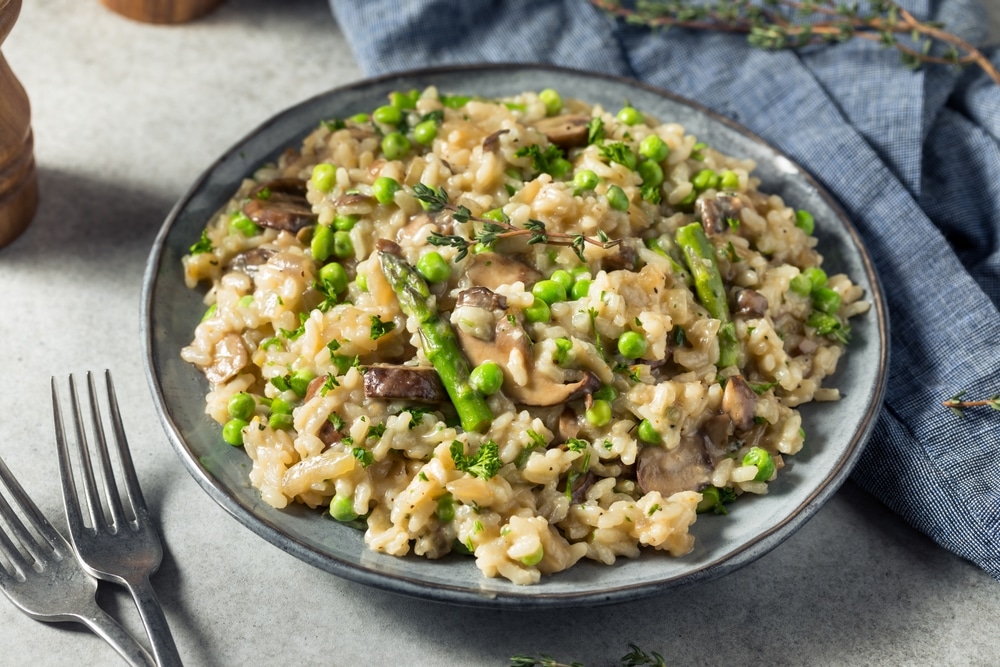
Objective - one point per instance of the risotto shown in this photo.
(530, 330)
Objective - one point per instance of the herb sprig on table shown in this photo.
(958, 405)
(634, 658)
(792, 24)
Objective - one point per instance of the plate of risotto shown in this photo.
(513, 336)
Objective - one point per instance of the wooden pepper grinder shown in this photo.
(162, 11)
(18, 178)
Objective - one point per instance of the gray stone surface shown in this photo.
(125, 116)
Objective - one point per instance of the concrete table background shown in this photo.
(125, 117)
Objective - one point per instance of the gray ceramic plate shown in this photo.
(837, 431)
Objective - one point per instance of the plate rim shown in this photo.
(529, 596)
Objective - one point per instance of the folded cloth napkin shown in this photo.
(913, 157)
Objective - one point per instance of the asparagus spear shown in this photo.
(439, 341)
(699, 256)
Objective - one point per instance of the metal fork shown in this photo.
(115, 539)
(43, 578)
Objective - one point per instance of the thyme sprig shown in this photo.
(792, 24)
(958, 406)
(634, 658)
(491, 231)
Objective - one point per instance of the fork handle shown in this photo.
(151, 612)
(110, 631)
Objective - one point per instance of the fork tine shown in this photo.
(131, 480)
(34, 517)
(94, 507)
(111, 493)
(71, 498)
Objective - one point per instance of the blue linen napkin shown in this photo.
(914, 158)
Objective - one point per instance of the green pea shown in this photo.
(538, 311)
(280, 421)
(445, 511)
(241, 406)
(651, 172)
(241, 223)
(584, 180)
(705, 179)
(360, 118)
(455, 101)
(607, 392)
(344, 223)
(729, 180)
(816, 276)
(599, 413)
(560, 167)
(648, 433)
(433, 267)
(402, 100)
(387, 115)
(762, 459)
(549, 291)
(630, 116)
(342, 508)
(361, 280)
(232, 432)
(384, 189)
(334, 275)
(343, 246)
(689, 199)
(299, 381)
(425, 132)
(617, 199)
(534, 558)
(321, 244)
(801, 285)
(324, 175)
(632, 345)
(654, 148)
(805, 221)
(581, 288)
(552, 100)
(395, 146)
(826, 300)
(824, 323)
(711, 500)
(280, 406)
(486, 378)
(563, 277)
(495, 214)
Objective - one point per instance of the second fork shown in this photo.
(112, 531)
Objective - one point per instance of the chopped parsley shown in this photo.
(484, 464)
(541, 160)
(380, 328)
(203, 245)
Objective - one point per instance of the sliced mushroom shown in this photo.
(510, 345)
(624, 257)
(717, 431)
(492, 142)
(329, 434)
(751, 303)
(714, 212)
(686, 467)
(739, 402)
(492, 270)
(413, 383)
(249, 261)
(229, 357)
(580, 487)
(567, 130)
(481, 297)
(568, 425)
(280, 204)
